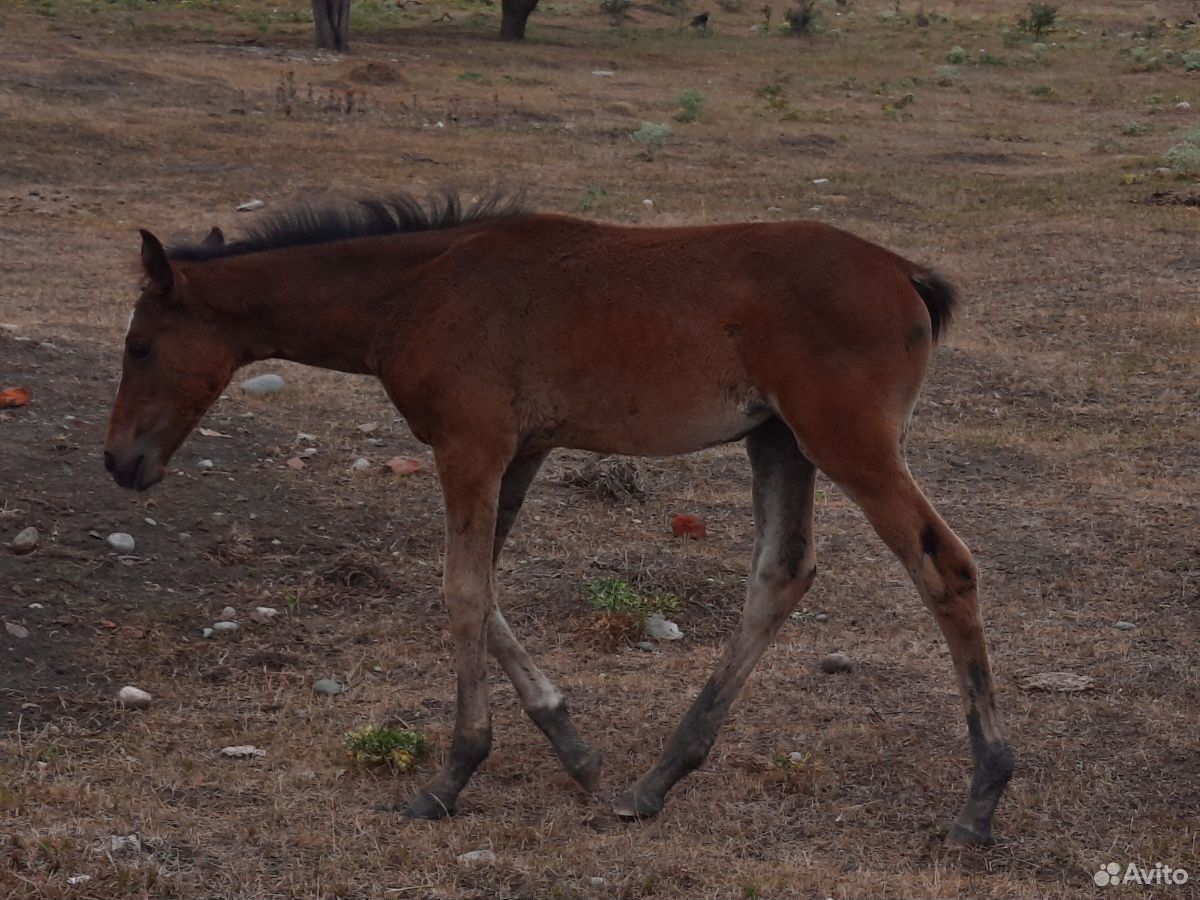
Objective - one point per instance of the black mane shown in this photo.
(313, 223)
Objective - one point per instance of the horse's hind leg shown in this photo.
(874, 474)
(540, 699)
(781, 571)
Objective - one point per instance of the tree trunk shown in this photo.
(515, 13)
(332, 21)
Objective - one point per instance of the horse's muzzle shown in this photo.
(135, 472)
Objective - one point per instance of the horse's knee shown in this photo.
(947, 568)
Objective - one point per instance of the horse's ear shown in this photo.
(215, 239)
(155, 263)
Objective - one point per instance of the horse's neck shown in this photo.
(324, 305)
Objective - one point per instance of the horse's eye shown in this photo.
(139, 350)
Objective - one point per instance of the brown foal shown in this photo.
(500, 335)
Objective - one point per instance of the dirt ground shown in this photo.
(1059, 434)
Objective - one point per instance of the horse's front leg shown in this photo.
(470, 477)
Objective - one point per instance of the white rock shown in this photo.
(205, 464)
(1183, 104)
(1124, 626)
(206, 632)
(362, 464)
(796, 757)
(229, 613)
(251, 205)
(648, 203)
(20, 632)
(662, 629)
(477, 858)
(26, 540)
(820, 181)
(329, 686)
(305, 436)
(242, 751)
(35, 606)
(133, 698)
(368, 427)
(308, 451)
(263, 614)
(224, 627)
(261, 385)
(150, 521)
(121, 542)
(604, 73)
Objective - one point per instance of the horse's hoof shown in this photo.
(962, 836)
(426, 806)
(632, 805)
(587, 772)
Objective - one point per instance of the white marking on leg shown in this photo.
(535, 690)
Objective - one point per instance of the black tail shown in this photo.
(939, 296)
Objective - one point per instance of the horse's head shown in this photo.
(178, 359)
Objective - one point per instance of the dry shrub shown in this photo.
(608, 477)
(613, 630)
(354, 570)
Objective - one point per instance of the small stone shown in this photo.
(368, 427)
(820, 181)
(295, 463)
(597, 881)
(1124, 626)
(224, 627)
(306, 437)
(1164, 172)
(648, 203)
(405, 465)
(477, 858)
(35, 606)
(121, 542)
(662, 629)
(26, 541)
(308, 452)
(251, 205)
(603, 73)
(330, 686)
(688, 526)
(775, 210)
(645, 646)
(242, 751)
(362, 464)
(206, 632)
(20, 632)
(150, 521)
(261, 385)
(229, 613)
(263, 614)
(131, 697)
(796, 758)
(78, 879)
(205, 464)
(835, 663)
(1183, 104)
(821, 617)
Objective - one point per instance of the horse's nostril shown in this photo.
(110, 461)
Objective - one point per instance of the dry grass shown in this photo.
(1058, 433)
